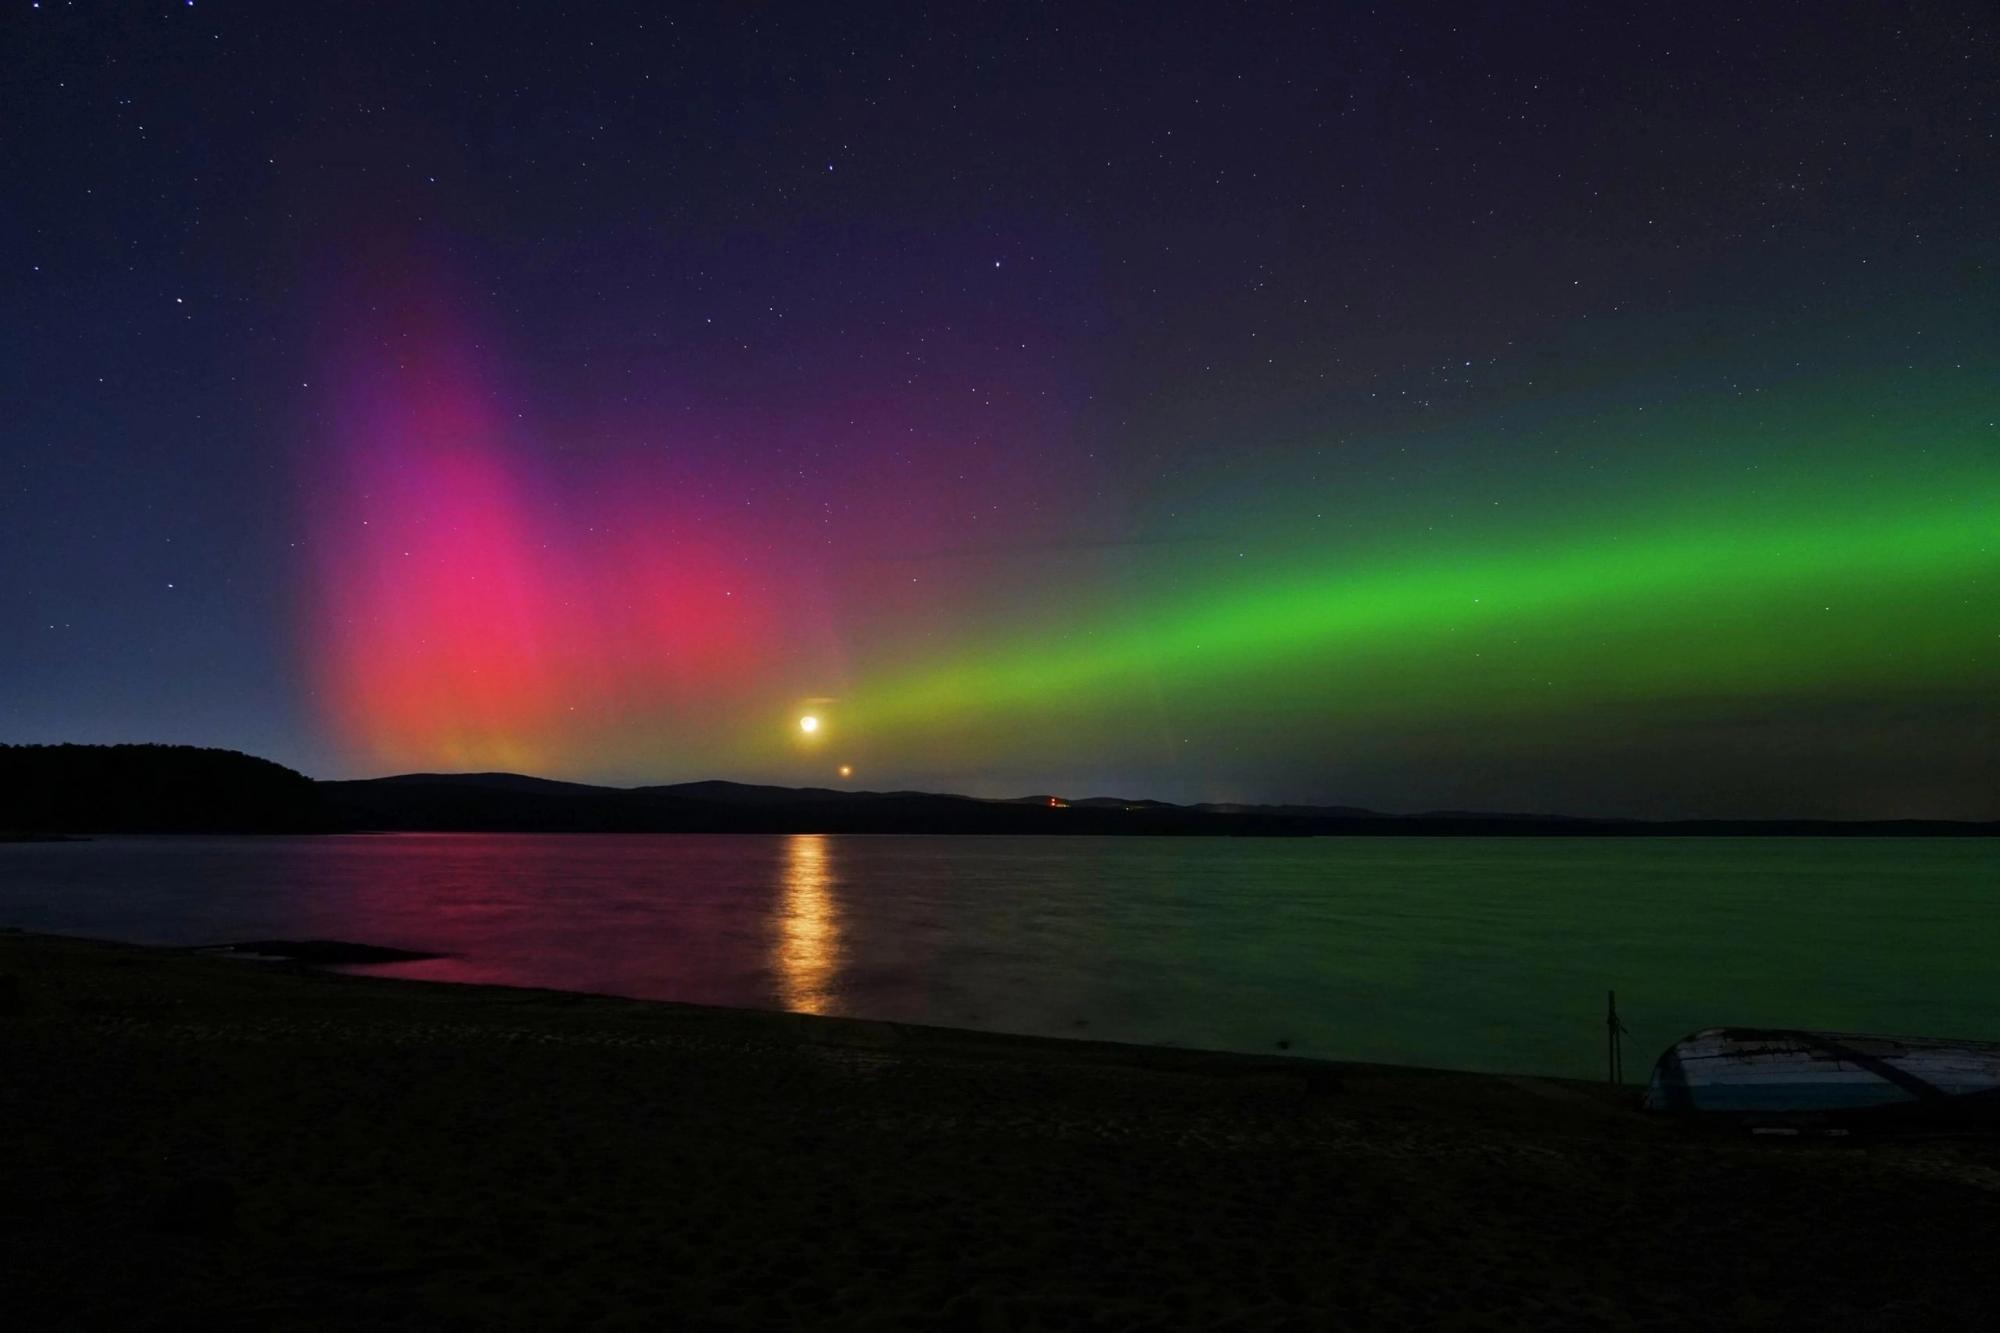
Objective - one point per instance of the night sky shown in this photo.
(1588, 408)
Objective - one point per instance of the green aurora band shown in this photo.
(1841, 583)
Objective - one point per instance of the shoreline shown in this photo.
(278, 1146)
(794, 1026)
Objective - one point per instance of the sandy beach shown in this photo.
(210, 1142)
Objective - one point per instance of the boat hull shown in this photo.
(1762, 1072)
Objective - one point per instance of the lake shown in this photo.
(1472, 953)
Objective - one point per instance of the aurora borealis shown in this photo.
(1435, 411)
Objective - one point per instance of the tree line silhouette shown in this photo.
(152, 789)
(84, 789)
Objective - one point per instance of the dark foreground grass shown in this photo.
(190, 1142)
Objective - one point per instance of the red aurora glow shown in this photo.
(477, 607)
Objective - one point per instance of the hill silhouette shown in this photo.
(152, 789)
(80, 789)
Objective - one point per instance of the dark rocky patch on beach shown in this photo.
(326, 953)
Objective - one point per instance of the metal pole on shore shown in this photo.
(1614, 1053)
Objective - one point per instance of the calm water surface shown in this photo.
(1472, 953)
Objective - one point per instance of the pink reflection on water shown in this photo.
(716, 920)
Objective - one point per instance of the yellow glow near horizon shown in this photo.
(847, 770)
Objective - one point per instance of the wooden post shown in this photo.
(1614, 1053)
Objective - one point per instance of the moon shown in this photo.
(808, 724)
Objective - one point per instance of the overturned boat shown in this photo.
(1835, 1078)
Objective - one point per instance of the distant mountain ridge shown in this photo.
(47, 789)
(502, 781)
